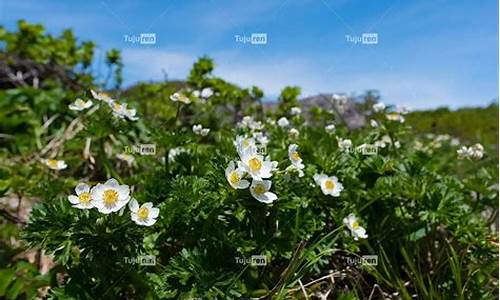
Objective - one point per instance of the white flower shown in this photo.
(243, 143)
(442, 137)
(283, 122)
(329, 185)
(55, 164)
(402, 110)
(378, 107)
(172, 153)
(129, 159)
(255, 165)
(386, 140)
(294, 156)
(463, 152)
(330, 128)
(235, 177)
(341, 99)
(455, 142)
(130, 113)
(395, 117)
(180, 97)
(110, 196)
(79, 104)
(121, 111)
(270, 121)
(206, 93)
(344, 144)
(249, 122)
(291, 169)
(145, 215)
(373, 123)
(379, 144)
(82, 200)
(101, 96)
(477, 151)
(474, 152)
(199, 130)
(397, 144)
(261, 138)
(294, 111)
(357, 231)
(260, 191)
(293, 133)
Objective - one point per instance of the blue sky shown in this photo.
(430, 53)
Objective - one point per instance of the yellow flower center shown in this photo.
(234, 178)
(295, 155)
(255, 164)
(84, 197)
(52, 163)
(110, 197)
(259, 189)
(143, 213)
(80, 102)
(117, 105)
(246, 143)
(355, 225)
(329, 184)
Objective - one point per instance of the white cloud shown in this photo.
(417, 91)
(144, 64)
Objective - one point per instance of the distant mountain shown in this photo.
(346, 111)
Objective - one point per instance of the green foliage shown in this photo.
(422, 208)
(468, 124)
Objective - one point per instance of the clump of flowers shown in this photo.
(119, 110)
(199, 130)
(111, 196)
(254, 165)
(474, 152)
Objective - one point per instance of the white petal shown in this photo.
(229, 168)
(96, 192)
(243, 184)
(112, 182)
(82, 188)
(154, 212)
(123, 192)
(133, 205)
(149, 222)
(148, 205)
(73, 199)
